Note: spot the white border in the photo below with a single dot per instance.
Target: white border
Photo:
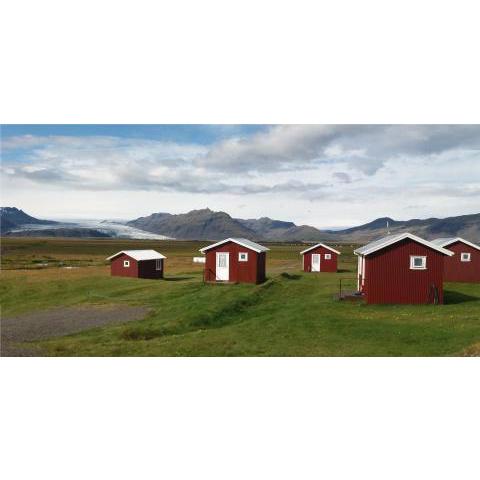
(240, 419)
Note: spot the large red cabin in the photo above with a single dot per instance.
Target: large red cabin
(464, 265)
(320, 258)
(235, 260)
(137, 264)
(403, 269)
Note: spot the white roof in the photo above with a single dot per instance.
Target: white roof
(320, 245)
(445, 242)
(244, 242)
(391, 239)
(140, 255)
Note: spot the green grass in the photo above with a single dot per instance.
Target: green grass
(292, 314)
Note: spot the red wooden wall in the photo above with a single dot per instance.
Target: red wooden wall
(148, 269)
(117, 268)
(458, 271)
(325, 265)
(389, 279)
(142, 269)
(252, 271)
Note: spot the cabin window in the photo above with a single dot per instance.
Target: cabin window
(243, 257)
(465, 257)
(328, 256)
(158, 264)
(418, 263)
(126, 263)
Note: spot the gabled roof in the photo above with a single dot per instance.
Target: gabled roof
(391, 239)
(445, 242)
(244, 242)
(320, 245)
(139, 255)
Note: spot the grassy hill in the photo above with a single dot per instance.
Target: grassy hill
(292, 314)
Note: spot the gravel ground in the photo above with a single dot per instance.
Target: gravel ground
(59, 322)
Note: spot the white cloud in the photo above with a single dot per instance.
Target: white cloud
(341, 174)
(342, 177)
(364, 148)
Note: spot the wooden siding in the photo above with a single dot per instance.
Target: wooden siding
(142, 269)
(389, 279)
(252, 271)
(148, 269)
(458, 271)
(325, 265)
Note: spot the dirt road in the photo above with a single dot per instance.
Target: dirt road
(59, 322)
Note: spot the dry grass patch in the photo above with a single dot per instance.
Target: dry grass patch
(472, 351)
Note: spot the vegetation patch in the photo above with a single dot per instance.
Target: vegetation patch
(290, 276)
(472, 351)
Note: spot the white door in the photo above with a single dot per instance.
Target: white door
(315, 262)
(222, 266)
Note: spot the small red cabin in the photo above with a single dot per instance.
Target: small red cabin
(235, 260)
(464, 265)
(402, 269)
(320, 258)
(137, 264)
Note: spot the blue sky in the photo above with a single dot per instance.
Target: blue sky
(321, 175)
(191, 134)
(202, 134)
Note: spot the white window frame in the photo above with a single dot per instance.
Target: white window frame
(126, 263)
(328, 256)
(158, 264)
(412, 262)
(465, 257)
(243, 256)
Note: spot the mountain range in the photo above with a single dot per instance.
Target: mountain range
(209, 225)
(195, 225)
(206, 224)
(466, 226)
(11, 217)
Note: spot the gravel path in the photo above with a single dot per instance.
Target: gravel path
(59, 322)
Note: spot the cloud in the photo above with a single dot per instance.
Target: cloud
(21, 142)
(96, 163)
(364, 148)
(102, 163)
(282, 147)
(341, 163)
(342, 177)
(136, 178)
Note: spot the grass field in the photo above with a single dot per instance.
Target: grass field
(292, 314)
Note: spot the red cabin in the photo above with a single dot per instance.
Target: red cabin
(320, 258)
(403, 269)
(235, 260)
(137, 264)
(464, 265)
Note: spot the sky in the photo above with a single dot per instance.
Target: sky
(319, 175)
